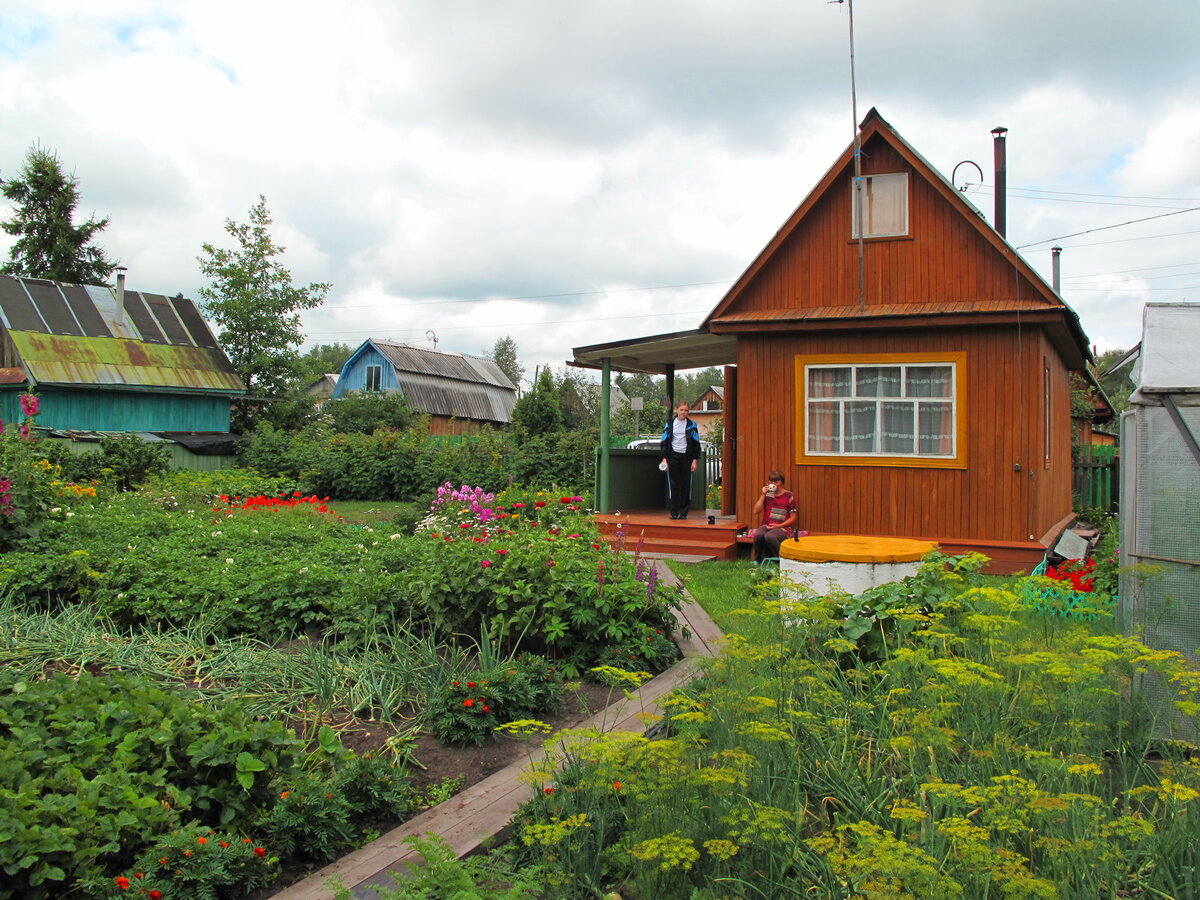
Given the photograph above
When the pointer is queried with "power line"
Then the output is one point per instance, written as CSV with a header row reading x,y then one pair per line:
x,y
988,189
1108,227
691,312
661,287
1130,271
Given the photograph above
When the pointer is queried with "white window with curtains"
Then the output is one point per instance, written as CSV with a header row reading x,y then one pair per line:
x,y
884,206
890,410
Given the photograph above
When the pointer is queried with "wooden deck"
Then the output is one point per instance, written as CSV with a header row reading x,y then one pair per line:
x,y
483,811
655,532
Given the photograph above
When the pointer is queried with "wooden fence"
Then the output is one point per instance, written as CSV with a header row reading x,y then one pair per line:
x,y
1096,480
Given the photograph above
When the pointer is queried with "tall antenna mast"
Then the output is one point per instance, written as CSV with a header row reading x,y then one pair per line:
x,y
858,181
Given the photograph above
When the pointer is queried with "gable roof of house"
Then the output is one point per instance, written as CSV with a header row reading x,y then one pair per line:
x,y
445,383
93,336
1037,304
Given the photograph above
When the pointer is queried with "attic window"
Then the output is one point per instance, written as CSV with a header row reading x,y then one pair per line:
x,y
884,206
374,378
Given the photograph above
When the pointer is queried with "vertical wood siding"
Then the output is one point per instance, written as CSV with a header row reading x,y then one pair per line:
x,y
989,500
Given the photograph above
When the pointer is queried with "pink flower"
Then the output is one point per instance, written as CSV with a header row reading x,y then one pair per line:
x,y
25,431
487,563
551,563
29,404
503,551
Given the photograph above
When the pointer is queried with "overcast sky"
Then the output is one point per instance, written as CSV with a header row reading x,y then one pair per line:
x,y
567,172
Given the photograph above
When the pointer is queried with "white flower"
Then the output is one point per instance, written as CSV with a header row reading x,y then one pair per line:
x,y
228,562
56,509
305,569
393,537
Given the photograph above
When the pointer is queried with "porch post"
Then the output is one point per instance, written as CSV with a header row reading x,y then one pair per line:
x,y
602,501
670,390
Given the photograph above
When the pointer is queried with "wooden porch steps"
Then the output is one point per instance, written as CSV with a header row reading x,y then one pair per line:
x,y
654,531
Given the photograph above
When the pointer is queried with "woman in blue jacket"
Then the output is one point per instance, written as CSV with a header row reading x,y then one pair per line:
x,y
681,454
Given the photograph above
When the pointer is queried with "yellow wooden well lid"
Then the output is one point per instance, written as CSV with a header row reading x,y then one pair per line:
x,y
854,548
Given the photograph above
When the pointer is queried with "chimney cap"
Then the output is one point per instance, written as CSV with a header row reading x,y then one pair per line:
x,y
999,131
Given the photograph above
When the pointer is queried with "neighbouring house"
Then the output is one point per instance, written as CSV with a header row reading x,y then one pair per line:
x,y
708,408
459,393
896,357
322,389
106,360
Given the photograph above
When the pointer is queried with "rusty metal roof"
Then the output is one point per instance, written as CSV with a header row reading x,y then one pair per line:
x,y
72,334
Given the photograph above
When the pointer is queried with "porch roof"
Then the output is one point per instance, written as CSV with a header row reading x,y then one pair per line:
x,y
659,353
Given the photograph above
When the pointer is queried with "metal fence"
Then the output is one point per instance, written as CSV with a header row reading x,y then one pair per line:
x,y
1096,481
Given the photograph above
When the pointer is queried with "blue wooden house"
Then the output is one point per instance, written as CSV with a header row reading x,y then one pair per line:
x,y
112,360
458,392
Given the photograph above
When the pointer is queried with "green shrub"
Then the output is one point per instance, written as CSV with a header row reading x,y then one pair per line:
x,y
468,708
194,862
92,768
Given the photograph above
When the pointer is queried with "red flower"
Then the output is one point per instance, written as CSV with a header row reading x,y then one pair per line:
x,y
139,874
155,895
187,852
223,843
540,504
470,684
205,840
162,861
260,852
549,790
551,563
295,493
487,709
468,703
564,499
595,546
616,785
503,551
487,563
518,506
457,683
122,882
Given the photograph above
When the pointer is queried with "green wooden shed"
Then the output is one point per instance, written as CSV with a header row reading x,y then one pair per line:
x,y
106,359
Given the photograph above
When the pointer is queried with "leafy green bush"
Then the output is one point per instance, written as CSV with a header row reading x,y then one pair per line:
x,y
193,862
363,413
92,768
122,462
467,709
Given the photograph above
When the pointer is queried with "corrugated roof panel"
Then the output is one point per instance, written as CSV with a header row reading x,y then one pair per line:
x,y
140,313
192,320
85,311
19,311
67,359
462,400
442,363
50,303
168,320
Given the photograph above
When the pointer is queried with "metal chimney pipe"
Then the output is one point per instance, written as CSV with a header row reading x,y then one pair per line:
x,y
1056,269
1001,223
121,293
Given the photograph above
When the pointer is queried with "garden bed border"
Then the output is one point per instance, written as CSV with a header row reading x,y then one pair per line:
x,y
481,813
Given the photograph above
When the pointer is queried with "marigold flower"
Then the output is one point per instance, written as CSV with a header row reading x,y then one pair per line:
x,y
203,841
187,852
139,874
487,709
283,796
155,895
260,852
470,684
122,882
162,861
616,785
468,702
223,843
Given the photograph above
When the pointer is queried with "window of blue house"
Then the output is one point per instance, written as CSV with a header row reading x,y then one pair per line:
x,y
374,378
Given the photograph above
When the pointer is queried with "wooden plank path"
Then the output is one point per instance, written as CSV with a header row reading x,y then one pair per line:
x,y
482,812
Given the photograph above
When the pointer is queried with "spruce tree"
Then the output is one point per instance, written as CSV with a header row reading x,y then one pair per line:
x,y
49,244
